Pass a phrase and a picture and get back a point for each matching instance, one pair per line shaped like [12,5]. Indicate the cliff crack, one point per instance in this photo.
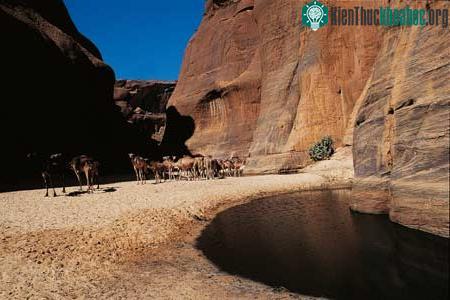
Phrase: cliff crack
[248,8]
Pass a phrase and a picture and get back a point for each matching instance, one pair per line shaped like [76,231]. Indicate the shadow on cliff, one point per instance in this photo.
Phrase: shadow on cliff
[57,96]
[179,129]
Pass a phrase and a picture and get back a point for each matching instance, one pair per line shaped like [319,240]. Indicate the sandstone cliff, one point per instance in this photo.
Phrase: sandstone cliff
[401,138]
[57,94]
[258,84]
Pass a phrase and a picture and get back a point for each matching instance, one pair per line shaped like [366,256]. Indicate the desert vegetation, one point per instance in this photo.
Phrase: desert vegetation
[322,150]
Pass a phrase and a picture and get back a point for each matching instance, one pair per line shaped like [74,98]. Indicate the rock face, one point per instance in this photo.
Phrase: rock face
[57,93]
[401,138]
[143,103]
[256,83]
[150,95]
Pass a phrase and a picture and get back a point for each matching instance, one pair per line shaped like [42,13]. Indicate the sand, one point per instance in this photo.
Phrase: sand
[129,241]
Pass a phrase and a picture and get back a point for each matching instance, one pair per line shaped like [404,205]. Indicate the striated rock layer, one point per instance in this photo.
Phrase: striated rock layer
[258,84]
[401,138]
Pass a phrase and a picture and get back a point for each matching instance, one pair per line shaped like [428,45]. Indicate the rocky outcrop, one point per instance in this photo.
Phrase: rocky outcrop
[57,92]
[258,84]
[150,95]
[143,103]
[401,137]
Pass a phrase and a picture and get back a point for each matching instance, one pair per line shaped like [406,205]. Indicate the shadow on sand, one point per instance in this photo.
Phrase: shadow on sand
[101,190]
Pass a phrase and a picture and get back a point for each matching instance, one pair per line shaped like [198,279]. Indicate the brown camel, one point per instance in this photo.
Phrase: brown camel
[186,164]
[88,166]
[51,166]
[208,171]
[169,167]
[140,166]
[198,167]
[238,166]
[158,170]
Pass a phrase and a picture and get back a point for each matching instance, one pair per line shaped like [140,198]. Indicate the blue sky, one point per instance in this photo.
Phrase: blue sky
[140,39]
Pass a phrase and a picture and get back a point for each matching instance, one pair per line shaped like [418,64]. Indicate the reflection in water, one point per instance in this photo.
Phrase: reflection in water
[310,243]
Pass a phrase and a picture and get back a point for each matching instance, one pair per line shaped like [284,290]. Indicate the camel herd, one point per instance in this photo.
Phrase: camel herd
[170,168]
[187,167]
[55,165]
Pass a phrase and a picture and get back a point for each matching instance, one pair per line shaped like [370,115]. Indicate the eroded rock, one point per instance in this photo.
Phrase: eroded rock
[258,84]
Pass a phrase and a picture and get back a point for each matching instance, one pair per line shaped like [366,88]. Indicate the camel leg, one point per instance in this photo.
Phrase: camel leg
[137,175]
[94,181]
[79,179]
[51,184]
[64,183]
[88,182]
[141,176]
[44,176]
[97,181]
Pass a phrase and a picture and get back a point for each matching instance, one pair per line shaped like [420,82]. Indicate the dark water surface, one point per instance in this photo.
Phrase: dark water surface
[310,243]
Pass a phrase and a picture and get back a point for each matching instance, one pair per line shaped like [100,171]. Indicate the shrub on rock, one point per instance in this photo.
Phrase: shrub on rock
[322,150]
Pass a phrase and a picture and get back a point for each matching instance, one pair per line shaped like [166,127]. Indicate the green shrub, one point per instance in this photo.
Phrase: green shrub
[322,150]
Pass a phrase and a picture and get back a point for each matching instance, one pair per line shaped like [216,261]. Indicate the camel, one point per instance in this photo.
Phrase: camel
[140,166]
[90,170]
[158,169]
[186,164]
[88,166]
[227,166]
[238,166]
[208,167]
[50,167]
[216,168]
[169,167]
[198,167]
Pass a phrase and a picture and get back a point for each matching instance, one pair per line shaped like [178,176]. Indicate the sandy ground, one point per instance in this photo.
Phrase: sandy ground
[129,241]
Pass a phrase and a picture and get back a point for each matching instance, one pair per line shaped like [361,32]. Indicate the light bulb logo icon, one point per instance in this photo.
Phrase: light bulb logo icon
[315,15]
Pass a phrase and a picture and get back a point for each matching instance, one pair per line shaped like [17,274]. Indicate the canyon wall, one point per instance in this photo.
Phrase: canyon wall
[57,93]
[258,84]
[143,104]
[149,95]
[401,138]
